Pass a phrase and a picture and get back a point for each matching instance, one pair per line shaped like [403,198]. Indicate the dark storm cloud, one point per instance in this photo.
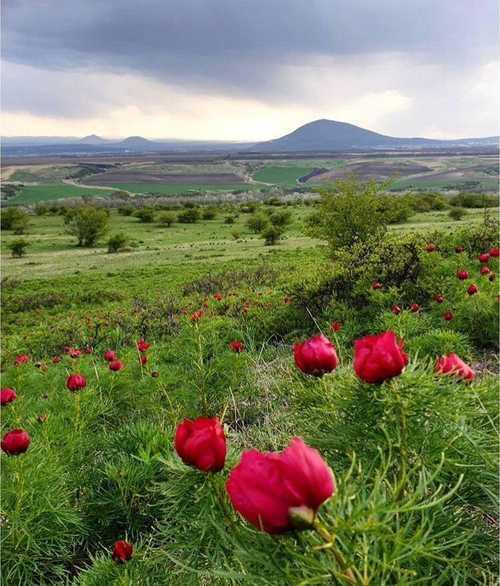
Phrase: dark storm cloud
[240,46]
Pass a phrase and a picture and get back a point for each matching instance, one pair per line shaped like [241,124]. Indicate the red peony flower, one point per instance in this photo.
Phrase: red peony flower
[439,298]
[316,356]
[218,297]
[473,289]
[197,315]
[462,275]
[110,355]
[485,270]
[277,492]
[143,359]
[56,360]
[122,551]
[143,346]
[379,358]
[236,346]
[21,359]
[76,382]
[376,285]
[448,316]
[336,326]
[7,396]
[396,310]
[201,443]
[116,365]
[431,247]
[414,307]
[453,365]
[459,249]
[495,252]
[484,257]
[73,352]
[15,442]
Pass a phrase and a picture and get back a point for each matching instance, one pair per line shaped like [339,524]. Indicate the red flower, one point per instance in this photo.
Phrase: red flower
[15,442]
[316,356]
[485,270]
[414,307]
[218,297]
[122,551]
[376,285]
[236,346]
[197,315]
[21,359]
[431,247]
[448,316]
[201,443]
[473,289]
[76,382]
[143,346]
[110,355]
[484,257]
[336,326]
[143,359]
[459,249]
[396,310]
[379,358]
[495,252]
[452,364]
[277,492]
[56,360]
[116,365]
[439,298]
[462,275]
[7,396]
[74,352]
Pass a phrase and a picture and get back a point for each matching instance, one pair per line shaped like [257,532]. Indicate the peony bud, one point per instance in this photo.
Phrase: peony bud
[414,307]
[76,382]
[7,396]
[116,365]
[143,346]
[110,355]
[15,442]
[439,298]
[201,443]
[448,316]
[278,492]
[462,275]
[473,289]
[122,551]
[316,356]
[396,310]
[431,247]
[379,358]
[376,285]
[21,359]
[484,257]
[495,252]
[236,346]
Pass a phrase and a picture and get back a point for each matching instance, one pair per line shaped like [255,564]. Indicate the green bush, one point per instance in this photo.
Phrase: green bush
[167,219]
[257,222]
[87,224]
[18,247]
[146,215]
[457,213]
[272,235]
[189,216]
[15,219]
[117,242]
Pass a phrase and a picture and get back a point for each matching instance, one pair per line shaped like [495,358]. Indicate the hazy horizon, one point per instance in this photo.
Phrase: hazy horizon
[230,72]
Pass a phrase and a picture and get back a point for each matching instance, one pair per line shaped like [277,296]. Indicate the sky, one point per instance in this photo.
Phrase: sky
[248,69]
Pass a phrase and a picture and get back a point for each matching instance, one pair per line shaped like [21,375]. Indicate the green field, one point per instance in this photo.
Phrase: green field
[40,193]
[174,189]
[281,175]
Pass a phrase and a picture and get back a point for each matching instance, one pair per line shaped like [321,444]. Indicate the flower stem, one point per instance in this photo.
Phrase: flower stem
[329,538]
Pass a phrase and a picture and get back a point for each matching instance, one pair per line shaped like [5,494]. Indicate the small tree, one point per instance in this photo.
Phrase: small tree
[281,219]
[167,219]
[18,247]
[209,214]
[271,235]
[87,224]
[12,217]
[117,242]
[189,216]
[257,223]
[229,220]
[146,215]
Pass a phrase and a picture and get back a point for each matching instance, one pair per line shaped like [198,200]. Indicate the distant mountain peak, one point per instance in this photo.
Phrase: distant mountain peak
[92,139]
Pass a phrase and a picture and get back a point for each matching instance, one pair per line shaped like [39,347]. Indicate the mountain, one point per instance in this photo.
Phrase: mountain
[93,139]
[330,135]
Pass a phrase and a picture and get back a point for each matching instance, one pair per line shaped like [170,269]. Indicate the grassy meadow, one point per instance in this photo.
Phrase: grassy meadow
[414,456]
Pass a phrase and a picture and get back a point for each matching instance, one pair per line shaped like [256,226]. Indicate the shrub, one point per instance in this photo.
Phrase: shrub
[271,235]
[189,216]
[229,220]
[15,219]
[87,224]
[209,214]
[146,215]
[117,242]
[18,247]
[257,223]
[475,200]
[236,234]
[167,219]
[126,210]
[457,213]
[281,219]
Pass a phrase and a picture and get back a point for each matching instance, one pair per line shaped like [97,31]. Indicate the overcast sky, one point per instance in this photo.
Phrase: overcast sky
[248,69]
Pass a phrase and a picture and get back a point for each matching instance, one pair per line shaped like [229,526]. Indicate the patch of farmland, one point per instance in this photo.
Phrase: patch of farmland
[128,176]
[37,193]
[377,170]
[183,188]
[281,175]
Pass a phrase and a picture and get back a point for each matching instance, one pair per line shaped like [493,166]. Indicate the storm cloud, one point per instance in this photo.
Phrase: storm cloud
[60,57]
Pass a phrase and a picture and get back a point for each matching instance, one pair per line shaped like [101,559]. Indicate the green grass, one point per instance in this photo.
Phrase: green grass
[281,175]
[175,189]
[41,193]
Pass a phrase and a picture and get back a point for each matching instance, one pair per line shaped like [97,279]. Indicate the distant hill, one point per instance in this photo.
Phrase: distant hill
[93,139]
[330,135]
